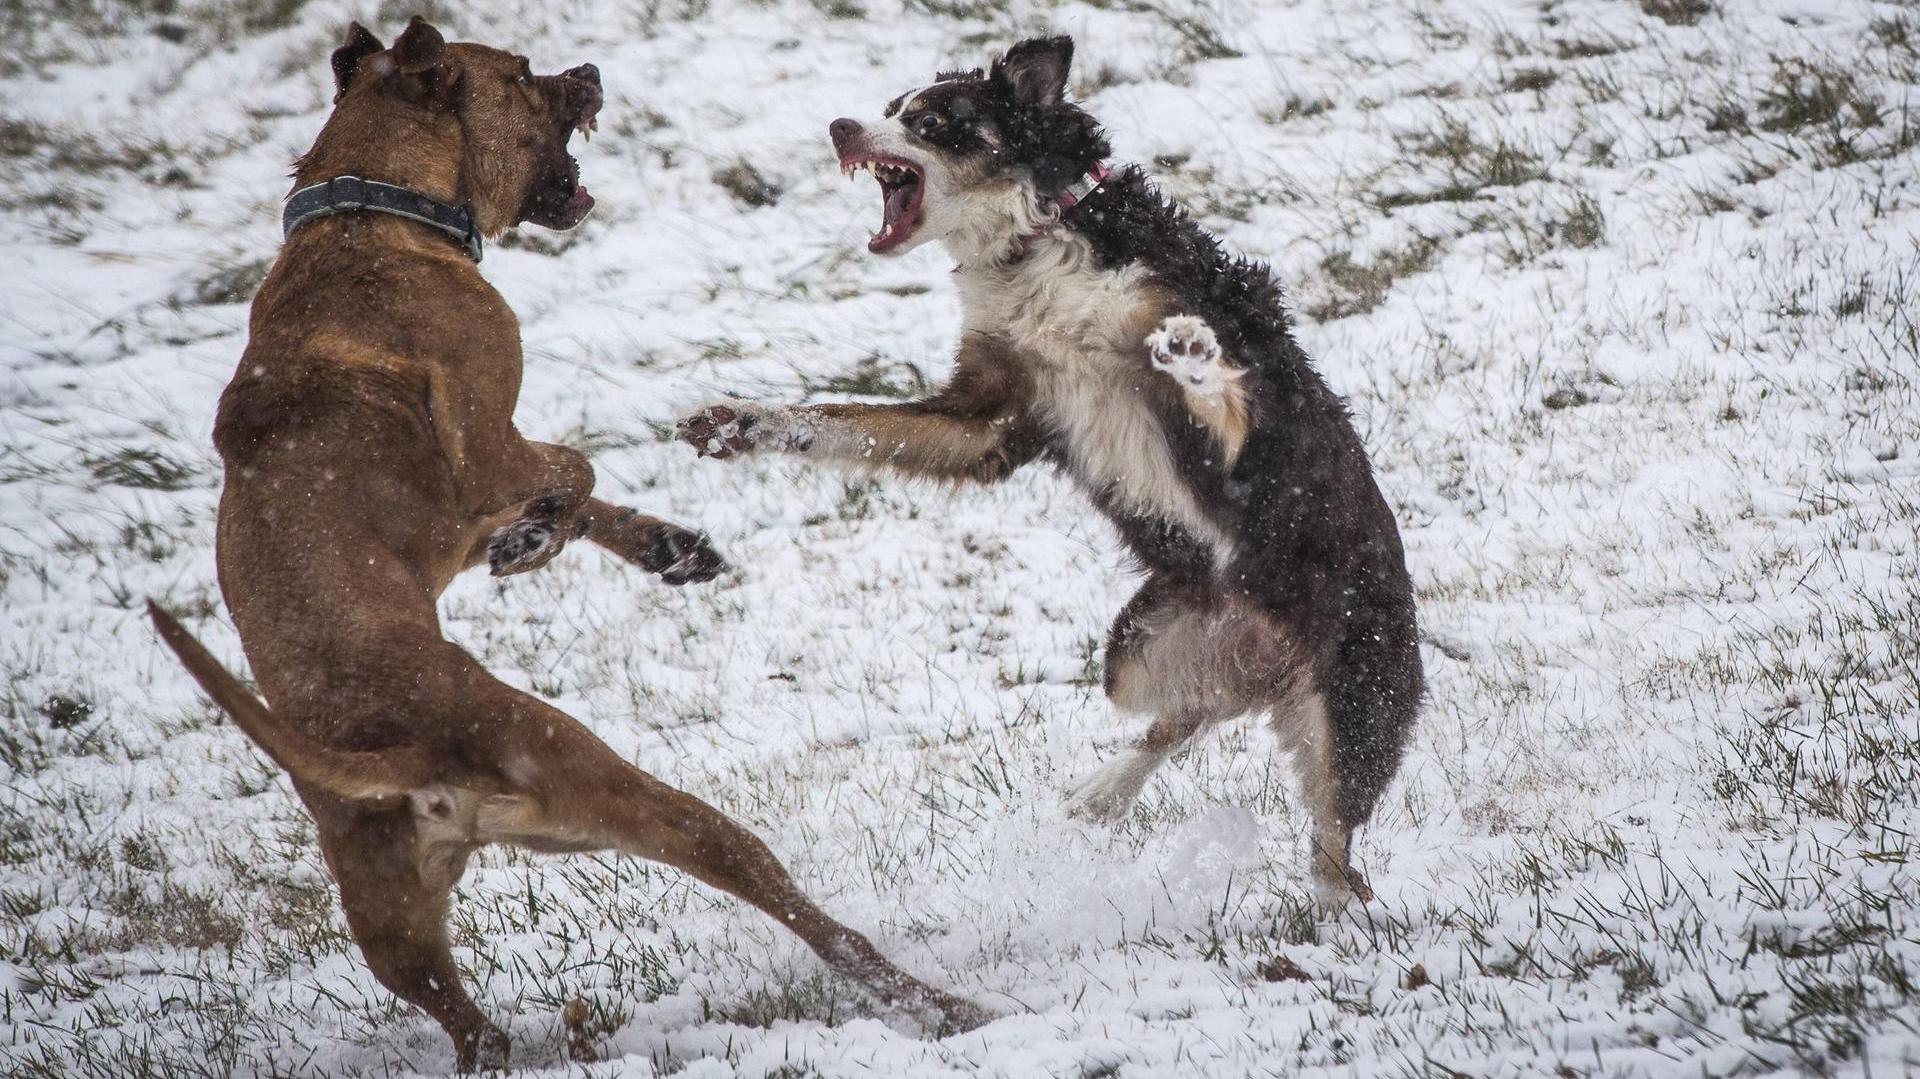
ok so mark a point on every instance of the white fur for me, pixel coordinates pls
(1107, 794)
(1185, 349)
(1057, 306)
(1069, 315)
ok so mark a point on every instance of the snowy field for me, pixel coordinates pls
(1622, 291)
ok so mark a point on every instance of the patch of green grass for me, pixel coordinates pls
(1200, 39)
(1356, 287)
(871, 377)
(748, 185)
(1585, 48)
(1530, 80)
(232, 283)
(142, 468)
(839, 9)
(1473, 162)
(1295, 107)
(1803, 94)
(1677, 12)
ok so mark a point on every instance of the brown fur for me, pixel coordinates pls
(370, 457)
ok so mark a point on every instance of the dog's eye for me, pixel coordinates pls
(928, 122)
(526, 73)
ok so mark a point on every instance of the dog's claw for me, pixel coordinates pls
(718, 431)
(681, 555)
(526, 543)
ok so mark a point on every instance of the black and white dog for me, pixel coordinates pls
(1109, 334)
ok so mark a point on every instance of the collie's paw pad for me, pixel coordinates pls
(521, 545)
(1185, 348)
(722, 431)
(680, 555)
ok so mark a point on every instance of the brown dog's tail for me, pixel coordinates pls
(358, 775)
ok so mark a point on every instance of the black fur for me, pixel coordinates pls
(360, 44)
(1316, 542)
(1025, 122)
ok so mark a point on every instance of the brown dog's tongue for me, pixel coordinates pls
(580, 204)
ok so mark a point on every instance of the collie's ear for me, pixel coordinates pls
(346, 59)
(1036, 70)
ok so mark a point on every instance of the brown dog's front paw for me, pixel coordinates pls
(527, 542)
(680, 555)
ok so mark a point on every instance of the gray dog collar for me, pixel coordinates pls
(345, 194)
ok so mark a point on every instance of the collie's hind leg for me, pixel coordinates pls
(1348, 739)
(1304, 728)
(1107, 794)
(1189, 659)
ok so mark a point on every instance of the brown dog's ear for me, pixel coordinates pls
(420, 68)
(1036, 69)
(360, 45)
(419, 47)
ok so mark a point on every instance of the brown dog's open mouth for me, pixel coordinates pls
(902, 186)
(562, 201)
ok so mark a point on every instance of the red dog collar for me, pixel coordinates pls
(1083, 187)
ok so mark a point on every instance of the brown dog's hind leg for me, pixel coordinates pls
(398, 917)
(673, 827)
(581, 794)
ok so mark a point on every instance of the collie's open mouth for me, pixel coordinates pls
(901, 187)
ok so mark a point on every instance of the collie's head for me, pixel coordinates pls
(977, 160)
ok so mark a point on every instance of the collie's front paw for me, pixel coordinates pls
(1185, 348)
(731, 428)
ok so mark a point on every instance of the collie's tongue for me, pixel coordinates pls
(895, 199)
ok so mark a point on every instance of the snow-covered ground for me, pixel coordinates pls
(1623, 292)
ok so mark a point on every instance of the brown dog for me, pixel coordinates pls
(371, 456)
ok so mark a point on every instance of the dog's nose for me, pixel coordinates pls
(585, 73)
(842, 130)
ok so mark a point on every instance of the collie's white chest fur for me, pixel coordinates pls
(1081, 325)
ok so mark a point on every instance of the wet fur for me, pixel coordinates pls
(371, 456)
(1276, 581)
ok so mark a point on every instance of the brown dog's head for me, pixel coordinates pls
(469, 118)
